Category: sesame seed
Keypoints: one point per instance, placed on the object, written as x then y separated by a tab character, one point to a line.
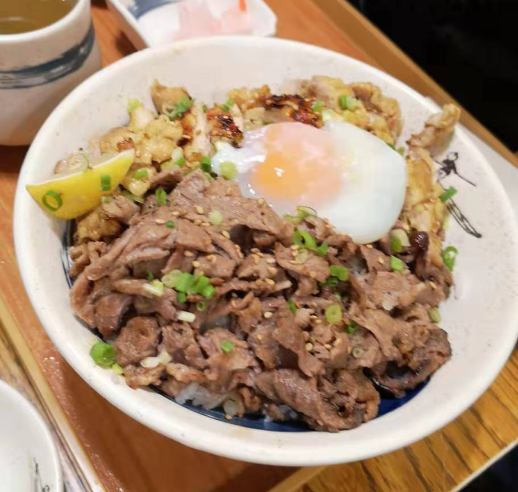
233	304
176	213
260	255
200	272
318	322
271	261
255	250
228	417
327	346
199	210
313	274
432	285
309	346
369	246
159	221
259	337
269	281
349	349
226	234
197	222
313	317
381	261
337	342
305	336
256	259
268	315
294	247
241	255
205	224
189	254
260	201
272	270
195	264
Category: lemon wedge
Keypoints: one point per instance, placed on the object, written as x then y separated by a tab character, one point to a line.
70	195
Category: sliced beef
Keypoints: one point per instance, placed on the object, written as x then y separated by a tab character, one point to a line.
258	266
189	235
302	262
143	376
121	208
85	254
179	342
215	265
108	312
137	340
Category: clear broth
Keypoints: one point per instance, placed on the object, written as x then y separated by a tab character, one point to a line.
18	16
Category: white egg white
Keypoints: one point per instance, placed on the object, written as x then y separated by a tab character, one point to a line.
372	188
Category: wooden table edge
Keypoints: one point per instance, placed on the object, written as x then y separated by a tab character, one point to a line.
54	412
388	56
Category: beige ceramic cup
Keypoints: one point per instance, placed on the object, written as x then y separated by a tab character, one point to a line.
39	68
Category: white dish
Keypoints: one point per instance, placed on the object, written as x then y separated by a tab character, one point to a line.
481	317
29	460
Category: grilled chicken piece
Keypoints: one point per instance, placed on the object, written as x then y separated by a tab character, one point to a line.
291	108
222	126
165	98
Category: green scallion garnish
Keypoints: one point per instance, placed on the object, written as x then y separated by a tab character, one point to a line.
317	106
133	104
155	288
205	164
228	105
184	282
52	201
215	218
449	255
396	265
205	108
170	279
351	327
199	283
117	369
149	276
348	102
434	314
322	249
182	297
208	292
333	313
103	354
161	197
340	272
141	173
170	224
131	196
201	306
228	170
448	194
304	239
395	245
106	181
227	346
292	307
180	162
180	109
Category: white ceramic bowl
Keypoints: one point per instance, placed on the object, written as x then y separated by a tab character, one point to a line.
481	317
29	459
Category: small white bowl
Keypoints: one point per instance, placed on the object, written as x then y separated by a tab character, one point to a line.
29	460
481	317
39	68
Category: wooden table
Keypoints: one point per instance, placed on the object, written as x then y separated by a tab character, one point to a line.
102	449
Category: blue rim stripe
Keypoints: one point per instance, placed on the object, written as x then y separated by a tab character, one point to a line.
69	62
142	7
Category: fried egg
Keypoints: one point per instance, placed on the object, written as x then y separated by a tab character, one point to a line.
346	174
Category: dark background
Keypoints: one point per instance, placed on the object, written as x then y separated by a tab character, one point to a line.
470	47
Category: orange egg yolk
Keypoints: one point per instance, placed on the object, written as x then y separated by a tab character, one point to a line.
300	165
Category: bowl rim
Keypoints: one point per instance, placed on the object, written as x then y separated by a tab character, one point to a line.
197	437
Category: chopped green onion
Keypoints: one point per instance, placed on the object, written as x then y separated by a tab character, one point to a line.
201	306
304	212
106	199
435	315
141	173
215	218
106	181
103	354
228	170
180	162
396	264
318	106
304	239
357	352
267	123
184	282
170	224
117	369
205	164
340	272
57	201
401	151
449	193
227	346
351	327
333	313
205	108
150	276
322	249
348	102
186	316
228	105
181	297
399	240
208	292
131	196
292	307
199	283
449	255
161	197
180	109
170	280
392	146
330	282
167	165
155	288
395	245
133	104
